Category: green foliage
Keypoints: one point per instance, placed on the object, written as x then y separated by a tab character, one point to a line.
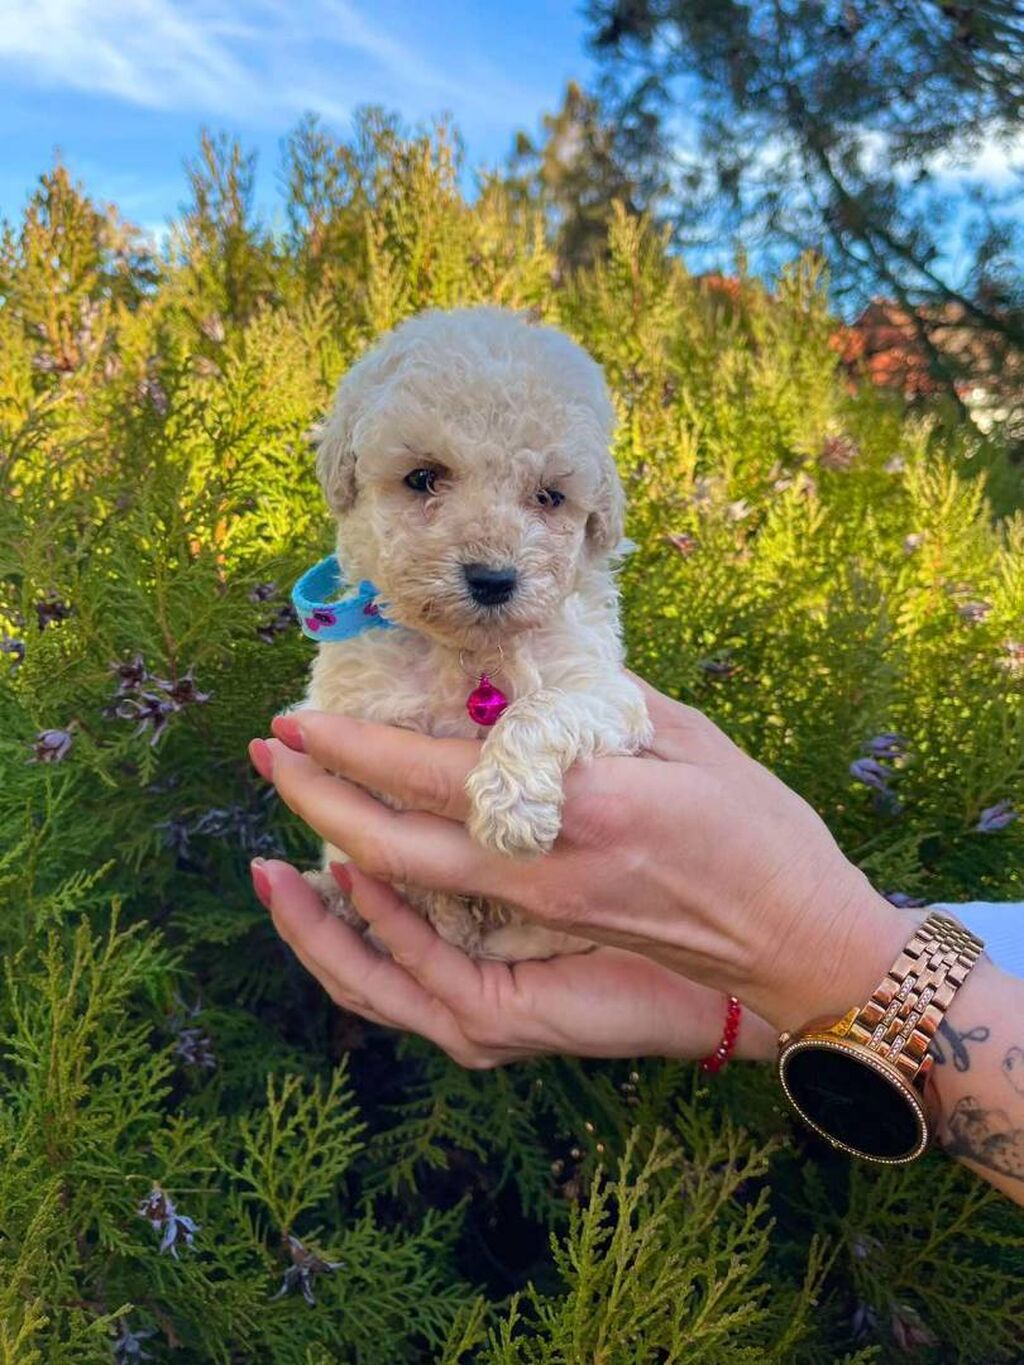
795	139
812	567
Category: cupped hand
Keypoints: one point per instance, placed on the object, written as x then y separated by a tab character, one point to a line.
692	855
604	1003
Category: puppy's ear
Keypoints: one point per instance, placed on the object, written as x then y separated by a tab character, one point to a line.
336	456
606	523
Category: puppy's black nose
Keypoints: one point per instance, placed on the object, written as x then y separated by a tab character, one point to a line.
489	587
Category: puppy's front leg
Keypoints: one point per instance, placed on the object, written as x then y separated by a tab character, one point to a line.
515	791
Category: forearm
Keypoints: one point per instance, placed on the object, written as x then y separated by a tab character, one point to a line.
978	1078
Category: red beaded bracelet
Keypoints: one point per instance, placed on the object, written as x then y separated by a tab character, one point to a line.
717	1059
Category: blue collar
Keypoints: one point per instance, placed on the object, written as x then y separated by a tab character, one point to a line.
335	620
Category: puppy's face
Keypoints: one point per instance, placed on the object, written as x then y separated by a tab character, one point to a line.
468	462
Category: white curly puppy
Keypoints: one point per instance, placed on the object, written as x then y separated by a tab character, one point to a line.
478	507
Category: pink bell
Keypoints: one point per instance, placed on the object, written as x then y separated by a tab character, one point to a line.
486	702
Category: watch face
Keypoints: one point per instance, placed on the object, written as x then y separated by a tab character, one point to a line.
849	1101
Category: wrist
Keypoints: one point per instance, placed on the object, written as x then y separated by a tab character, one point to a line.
841	966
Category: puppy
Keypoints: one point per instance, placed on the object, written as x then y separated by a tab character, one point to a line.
467	463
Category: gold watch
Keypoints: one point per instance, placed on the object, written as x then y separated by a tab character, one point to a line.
859	1081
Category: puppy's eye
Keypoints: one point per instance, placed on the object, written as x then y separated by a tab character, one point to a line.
550	497
422	480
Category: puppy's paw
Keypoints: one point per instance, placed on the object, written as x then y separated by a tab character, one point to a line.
514	810
529	943
333	897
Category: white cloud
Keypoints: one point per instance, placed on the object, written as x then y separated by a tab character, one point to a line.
256	62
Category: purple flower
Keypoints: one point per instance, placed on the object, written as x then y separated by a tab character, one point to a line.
886	745
195	1048
130	676
305	1266
160	1213
176	835
277	625
902	901
51	611
128	1346
16	648
864	1321
872	773
149	710
996	817
262	592
183	691
51	746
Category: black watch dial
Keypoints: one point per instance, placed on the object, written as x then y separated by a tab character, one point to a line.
850	1102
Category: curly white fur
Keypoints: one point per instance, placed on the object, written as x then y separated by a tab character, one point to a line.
500	410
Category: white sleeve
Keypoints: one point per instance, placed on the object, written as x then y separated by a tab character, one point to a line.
1000	925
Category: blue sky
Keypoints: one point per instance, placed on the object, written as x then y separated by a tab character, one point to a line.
121	87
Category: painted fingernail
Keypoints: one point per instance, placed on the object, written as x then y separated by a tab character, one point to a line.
342	876
287	730
262	758
260	882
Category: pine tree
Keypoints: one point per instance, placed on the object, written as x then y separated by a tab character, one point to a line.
201	1159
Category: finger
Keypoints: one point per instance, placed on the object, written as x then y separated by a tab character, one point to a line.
681	732
347	967
393	846
419	772
448	974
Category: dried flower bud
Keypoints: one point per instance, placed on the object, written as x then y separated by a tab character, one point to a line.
909	1330
1012	661
159	1211
838	452
212	328
683	542
305	1267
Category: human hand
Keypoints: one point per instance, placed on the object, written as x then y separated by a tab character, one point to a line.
692	855
605	1003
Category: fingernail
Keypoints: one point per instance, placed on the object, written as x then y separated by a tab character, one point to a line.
262	758
288	731
342	876
260	882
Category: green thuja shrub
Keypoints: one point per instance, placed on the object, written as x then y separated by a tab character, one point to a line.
201	1159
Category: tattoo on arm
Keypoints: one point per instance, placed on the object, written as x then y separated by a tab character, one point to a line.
956	1043
987	1137
1013	1068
